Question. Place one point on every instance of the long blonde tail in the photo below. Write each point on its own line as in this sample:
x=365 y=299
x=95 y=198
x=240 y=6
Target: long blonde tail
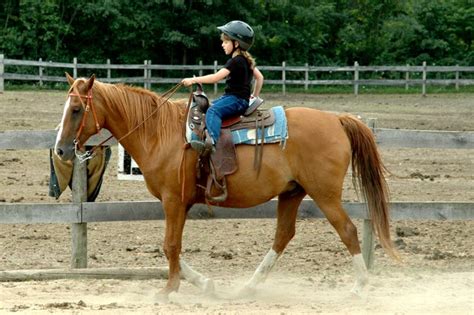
x=368 y=174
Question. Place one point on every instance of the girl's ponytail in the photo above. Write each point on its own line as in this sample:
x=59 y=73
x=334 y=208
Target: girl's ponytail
x=249 y=57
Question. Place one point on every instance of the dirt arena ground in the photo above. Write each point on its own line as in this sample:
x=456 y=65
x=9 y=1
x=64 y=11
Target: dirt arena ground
x=315 y=273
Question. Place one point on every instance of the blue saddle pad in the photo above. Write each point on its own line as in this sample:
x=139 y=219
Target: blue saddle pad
x=276 y=133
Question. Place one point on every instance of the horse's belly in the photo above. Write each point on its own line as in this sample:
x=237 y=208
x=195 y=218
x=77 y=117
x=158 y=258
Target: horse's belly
x=248 y=188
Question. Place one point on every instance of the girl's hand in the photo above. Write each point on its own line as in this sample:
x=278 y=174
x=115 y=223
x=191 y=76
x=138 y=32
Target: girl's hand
x=188 y=81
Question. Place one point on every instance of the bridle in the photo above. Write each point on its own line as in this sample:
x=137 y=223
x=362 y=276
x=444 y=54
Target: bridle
x=89 y=107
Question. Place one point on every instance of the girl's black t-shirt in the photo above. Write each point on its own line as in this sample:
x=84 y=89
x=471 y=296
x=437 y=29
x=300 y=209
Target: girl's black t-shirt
x=240 y=76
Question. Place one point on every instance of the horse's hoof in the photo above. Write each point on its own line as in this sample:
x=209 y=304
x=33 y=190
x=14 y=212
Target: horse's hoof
x=356 y=294
x=357 y=290
x=359 y=287
x=247 y=292
x=209 y=288
x=161 y=298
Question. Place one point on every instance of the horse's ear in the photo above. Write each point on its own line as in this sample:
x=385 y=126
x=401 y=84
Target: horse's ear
x=90 y=82
x=70 y=79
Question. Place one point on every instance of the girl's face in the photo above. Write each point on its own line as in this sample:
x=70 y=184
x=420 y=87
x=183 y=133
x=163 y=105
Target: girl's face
x=227 y=45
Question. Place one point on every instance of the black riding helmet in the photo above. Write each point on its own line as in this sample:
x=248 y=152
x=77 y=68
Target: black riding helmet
x=239 y=31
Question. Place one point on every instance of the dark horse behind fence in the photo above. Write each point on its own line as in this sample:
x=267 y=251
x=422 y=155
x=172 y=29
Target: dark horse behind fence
x=314 y=162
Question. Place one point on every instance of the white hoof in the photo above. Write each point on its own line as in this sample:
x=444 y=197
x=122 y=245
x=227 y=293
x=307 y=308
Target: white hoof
x=209 y=288
x=161 y=298
x=358 y=287
x=361 y=275
x=247 y=292
x=356 y=293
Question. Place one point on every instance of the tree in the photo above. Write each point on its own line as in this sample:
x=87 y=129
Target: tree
x=320 y=32
x=32 y=29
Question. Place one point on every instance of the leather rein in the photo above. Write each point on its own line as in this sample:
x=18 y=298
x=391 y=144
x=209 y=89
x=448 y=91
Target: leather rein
x=89 y=107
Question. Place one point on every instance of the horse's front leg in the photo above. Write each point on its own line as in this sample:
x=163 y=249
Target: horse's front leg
x=199 y=280
x=175 y=213
x=175 y=216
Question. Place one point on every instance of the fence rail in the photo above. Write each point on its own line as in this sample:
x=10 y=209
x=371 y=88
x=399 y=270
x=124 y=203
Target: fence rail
x=148 y=78
x=85 y=212
x=44 y=139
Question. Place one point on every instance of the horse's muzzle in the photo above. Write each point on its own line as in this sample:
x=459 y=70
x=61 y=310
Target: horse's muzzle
x=65 y=153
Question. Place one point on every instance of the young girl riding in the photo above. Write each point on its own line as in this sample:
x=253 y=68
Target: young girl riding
x=237 y=37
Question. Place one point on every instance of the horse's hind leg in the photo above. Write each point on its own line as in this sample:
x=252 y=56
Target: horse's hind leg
x=332 y=209
x=288 y=203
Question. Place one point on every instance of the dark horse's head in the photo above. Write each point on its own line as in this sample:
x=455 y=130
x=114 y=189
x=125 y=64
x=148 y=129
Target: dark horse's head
x=80 y=119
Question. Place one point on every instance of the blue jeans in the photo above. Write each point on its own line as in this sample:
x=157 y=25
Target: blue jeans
x=222 y=108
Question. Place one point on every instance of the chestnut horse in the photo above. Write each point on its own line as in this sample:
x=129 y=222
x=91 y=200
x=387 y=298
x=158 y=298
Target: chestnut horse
x=314 y=162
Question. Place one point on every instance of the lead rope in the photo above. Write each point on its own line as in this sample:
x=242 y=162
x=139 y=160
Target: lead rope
x=182 y=168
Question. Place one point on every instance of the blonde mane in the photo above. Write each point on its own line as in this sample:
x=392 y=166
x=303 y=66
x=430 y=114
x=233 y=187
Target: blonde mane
x=136 y=105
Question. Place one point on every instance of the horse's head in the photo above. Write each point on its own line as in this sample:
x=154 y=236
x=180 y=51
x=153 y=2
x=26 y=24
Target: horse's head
x=80 y=119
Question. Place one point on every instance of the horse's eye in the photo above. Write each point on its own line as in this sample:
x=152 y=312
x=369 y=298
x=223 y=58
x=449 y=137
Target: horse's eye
x=76 y=110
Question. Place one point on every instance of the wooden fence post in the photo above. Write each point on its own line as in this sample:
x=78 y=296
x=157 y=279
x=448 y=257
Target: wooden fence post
x=368 y=244
x=283 y=77
x=407 y=77
x=2 y=71
x=200 y=68
x=215 y=70
x=74 y=70
x=109 y=72
x=40 y=73
x=457 y=78
x=356 y=78
x=306 y=76
x=367 y=230
x=145 y=74
x=149 y=74
x=79 y=230
x=423 y=86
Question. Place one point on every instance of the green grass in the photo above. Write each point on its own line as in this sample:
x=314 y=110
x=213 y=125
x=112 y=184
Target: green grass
x=367 y=89
x=268 y=88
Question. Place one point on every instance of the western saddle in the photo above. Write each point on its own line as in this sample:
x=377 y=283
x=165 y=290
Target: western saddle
x=213 y=166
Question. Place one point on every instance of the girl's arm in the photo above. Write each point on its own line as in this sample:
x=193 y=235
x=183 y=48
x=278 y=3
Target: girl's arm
x=207 y=79
x=258 y=82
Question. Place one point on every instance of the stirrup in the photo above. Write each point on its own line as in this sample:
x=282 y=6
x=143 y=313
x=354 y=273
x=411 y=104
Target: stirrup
x=204 y=148
x=221 y=187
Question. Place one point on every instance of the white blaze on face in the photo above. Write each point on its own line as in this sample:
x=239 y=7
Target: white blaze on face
x=66 y=108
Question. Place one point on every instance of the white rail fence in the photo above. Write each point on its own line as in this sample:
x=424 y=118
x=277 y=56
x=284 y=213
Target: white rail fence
x=411 y=75
x=79 y=212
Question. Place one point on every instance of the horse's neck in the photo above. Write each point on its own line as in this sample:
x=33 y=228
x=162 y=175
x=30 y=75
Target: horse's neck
x=147 y=148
